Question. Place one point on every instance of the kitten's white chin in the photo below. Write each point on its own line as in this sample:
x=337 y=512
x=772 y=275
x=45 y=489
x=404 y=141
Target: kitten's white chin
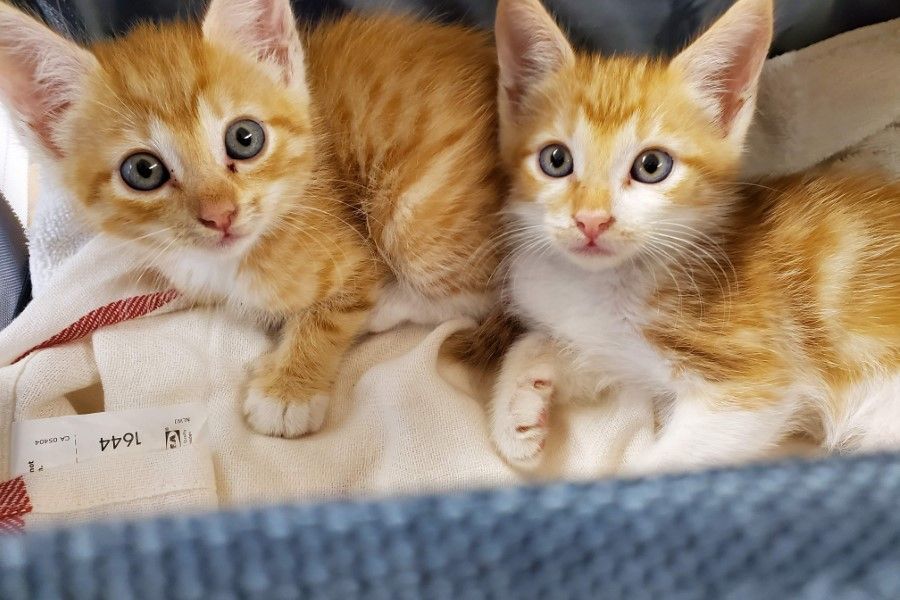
x=595 y=258
x=236 y=244
x=591 y=263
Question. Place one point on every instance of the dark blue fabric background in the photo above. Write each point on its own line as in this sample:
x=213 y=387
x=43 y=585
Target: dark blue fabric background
x=14 y=288
x=609 y=25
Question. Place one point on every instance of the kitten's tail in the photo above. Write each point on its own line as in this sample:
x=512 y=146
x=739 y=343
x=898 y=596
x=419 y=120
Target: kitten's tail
x=485 y=345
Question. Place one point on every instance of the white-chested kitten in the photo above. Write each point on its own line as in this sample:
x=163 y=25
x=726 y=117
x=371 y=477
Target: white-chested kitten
x=645 y=268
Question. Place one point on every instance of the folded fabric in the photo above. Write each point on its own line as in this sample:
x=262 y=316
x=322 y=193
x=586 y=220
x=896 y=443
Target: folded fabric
x=402 y=418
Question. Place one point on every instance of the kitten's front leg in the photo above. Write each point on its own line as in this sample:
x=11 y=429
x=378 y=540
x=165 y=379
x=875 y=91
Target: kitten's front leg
x=705 y=431
x=289 y=391
x=521 y=402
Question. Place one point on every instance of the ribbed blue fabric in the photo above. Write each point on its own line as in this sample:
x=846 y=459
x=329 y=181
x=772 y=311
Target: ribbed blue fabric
x=820 y=530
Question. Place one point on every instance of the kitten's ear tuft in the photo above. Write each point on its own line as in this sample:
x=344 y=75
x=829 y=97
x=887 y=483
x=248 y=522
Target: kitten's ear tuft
x=530 y=46
x=266 y=29
x=41 y=74
x=723 y=65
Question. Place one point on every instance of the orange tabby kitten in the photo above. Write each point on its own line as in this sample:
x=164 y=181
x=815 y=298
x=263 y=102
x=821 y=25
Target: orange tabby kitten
x=646 y=268
x=299 y=180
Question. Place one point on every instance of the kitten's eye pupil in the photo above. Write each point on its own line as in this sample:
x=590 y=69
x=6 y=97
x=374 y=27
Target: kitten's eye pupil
x=244 y=139
x=652 y=166
x=144 y=168
x=557 y=157
x=243 y=136
x=555 y=160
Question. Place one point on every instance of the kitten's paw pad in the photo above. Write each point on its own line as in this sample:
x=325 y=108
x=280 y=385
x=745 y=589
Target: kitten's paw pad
x=536 y=427
x=541 y=384
x=275 y=417
x=521 y=424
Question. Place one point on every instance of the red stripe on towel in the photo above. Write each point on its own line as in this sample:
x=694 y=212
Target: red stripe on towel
x=14 y=503
x=114 y=312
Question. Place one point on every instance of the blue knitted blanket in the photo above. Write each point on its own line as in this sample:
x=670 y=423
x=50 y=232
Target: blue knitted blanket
x=816 y=530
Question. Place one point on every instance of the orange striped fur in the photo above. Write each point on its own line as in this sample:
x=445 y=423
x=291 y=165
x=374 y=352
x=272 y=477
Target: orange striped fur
x=744 y=311
x=371 y=203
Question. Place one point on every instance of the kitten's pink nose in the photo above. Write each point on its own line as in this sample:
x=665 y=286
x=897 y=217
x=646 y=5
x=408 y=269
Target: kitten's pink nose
x=217 y=216
x=592 y=224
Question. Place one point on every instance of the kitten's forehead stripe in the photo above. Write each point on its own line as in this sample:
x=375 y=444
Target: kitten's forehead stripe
x=616 y=89
x=139 y=69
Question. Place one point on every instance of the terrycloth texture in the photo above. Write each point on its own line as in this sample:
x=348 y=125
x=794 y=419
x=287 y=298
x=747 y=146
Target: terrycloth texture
x=837 y=100
x=401 y=420
x=816 y=531
x=55 y=234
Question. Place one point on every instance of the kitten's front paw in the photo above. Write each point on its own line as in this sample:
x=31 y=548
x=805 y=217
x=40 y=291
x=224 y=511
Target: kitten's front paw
x=290 y=419
x=520 y=417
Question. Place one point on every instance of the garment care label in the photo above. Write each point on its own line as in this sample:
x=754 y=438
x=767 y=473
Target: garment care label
x=41 y=443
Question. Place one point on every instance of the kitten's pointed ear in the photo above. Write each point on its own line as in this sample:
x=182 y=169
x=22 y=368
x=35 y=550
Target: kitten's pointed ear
x=530 y=46
x=265 y=29
x=41 y=74
x=723 y=65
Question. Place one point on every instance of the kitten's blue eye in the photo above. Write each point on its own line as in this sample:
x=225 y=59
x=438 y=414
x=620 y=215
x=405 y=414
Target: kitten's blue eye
x=244 y=139
x=652 y=166
x=556 y=160
x=143 y=171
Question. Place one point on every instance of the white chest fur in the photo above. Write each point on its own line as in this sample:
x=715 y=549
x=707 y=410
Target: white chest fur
x=400 y=304
x=594 y=314
x=203 y=275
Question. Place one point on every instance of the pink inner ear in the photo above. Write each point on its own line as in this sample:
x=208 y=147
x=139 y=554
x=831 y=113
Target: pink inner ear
x=52 y=113
x=264 y=28
x=270 y=33
x=739 y=77
x=522 y=66
x=40 y=74
x=723 y=65
x=530 y=46
x=280 y=55
x=30 y=100
x=512 y=49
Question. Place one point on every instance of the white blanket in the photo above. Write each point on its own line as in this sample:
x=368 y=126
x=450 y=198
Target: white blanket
x=403 y=419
